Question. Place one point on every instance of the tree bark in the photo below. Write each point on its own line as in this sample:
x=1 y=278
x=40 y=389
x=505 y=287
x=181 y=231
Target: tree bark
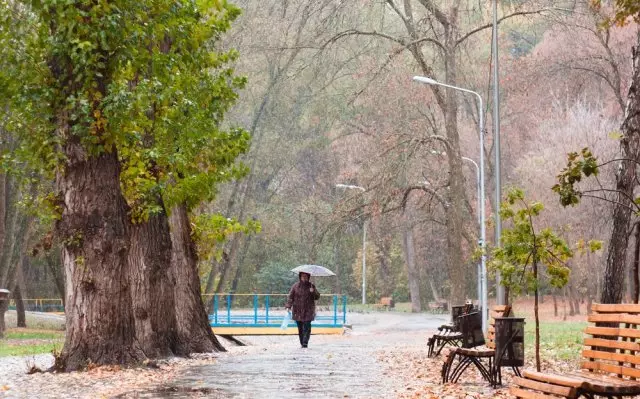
x=56 y=271
x=636 y=266
x=194 y=332
x=613 y=282
x=536 y=312
x=20 y=311
x=94 y=230
x=152 y=286
x=555 y=304
x=412 y=272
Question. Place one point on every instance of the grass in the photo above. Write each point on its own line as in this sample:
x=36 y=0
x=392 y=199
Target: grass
x=558 y=340
x=25 y=341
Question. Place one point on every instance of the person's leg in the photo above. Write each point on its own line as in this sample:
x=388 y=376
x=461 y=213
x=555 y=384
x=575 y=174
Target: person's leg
x=301 y=332
x=307 y=333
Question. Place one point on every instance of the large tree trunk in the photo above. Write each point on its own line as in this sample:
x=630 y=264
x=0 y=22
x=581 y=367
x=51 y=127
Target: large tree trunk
x=194 y=332
x=56 y=271
x=613 y=282
x=94 y=229
x=412 y=272
x=636 y=267
x=20 y=311
x=455 y=210
x=152 y=286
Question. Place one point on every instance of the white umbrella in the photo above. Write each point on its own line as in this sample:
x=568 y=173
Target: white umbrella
x=314 y=270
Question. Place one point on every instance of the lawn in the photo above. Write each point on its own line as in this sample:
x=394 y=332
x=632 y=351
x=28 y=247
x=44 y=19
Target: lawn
x=25 y=341
x=558 y=340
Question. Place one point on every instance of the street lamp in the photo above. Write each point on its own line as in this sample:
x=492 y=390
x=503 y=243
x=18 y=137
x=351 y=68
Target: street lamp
x=483 y=259
x=479 y=221
x=364 y=245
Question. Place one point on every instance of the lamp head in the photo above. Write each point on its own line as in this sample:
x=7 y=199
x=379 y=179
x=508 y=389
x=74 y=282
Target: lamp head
x=424 y=79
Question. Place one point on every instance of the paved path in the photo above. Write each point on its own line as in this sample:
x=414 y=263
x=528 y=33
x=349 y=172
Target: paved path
x=332 y=366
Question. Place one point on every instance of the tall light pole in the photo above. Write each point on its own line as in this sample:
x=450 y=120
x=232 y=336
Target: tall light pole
x=364 y=245
x=484 y=302
x=479 y=222
x=500 y=294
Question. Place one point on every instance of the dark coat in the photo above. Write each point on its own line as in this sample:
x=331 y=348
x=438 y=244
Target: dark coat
x=302 y=301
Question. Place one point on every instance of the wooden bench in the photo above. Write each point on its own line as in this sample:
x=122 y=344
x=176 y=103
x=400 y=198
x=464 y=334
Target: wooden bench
x=610 y=365
x=448 y=334
x=387 y=302
x=468 y=354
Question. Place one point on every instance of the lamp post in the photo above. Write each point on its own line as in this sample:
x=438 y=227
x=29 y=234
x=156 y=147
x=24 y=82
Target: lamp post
x=501 y=298
x=479 y=222
x=483 y=259
x=364 y=245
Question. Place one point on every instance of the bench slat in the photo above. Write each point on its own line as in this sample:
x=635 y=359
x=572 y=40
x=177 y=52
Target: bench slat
x=523 y=394
x=614 y=318
x=616 y=357
x=568 y=392
x=553 y=379
x=611 y=368
x=616 y=307
x=607 y=343
x=613 y=332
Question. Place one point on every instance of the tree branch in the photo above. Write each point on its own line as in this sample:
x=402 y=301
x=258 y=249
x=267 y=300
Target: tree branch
x=433 y=193
x=483 y=27
x=440 y=16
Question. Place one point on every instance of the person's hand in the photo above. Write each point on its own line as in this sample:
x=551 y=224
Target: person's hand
x=312 y=289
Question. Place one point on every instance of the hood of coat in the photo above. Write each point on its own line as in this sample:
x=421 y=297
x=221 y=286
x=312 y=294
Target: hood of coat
x=308 y=279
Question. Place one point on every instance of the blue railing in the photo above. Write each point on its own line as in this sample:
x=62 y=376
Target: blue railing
x=267 y=310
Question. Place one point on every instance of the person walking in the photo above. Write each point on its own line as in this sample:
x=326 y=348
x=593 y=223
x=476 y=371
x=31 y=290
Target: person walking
x=302 y=297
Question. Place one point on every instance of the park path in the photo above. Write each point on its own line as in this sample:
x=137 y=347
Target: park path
x=343 y=366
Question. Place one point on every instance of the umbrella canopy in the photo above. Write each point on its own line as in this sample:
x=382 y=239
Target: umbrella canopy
x=313 y=270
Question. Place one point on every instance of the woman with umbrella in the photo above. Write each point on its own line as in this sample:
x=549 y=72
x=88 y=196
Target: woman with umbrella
x=302 y=297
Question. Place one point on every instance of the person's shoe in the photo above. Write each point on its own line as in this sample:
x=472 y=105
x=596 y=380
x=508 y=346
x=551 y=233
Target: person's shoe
x=304 y=346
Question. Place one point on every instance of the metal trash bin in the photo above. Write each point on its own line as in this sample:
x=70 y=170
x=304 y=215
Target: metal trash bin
x=509 y=341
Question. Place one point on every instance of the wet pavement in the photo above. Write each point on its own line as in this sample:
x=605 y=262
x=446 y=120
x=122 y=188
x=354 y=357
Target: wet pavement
x=342 y=366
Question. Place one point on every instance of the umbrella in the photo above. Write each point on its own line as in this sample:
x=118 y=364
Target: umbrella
x=314 y=270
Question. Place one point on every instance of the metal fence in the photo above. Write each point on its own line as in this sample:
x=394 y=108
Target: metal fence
x=40 y=305
x=267 y=310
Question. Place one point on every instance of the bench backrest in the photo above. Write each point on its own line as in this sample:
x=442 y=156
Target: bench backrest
x=496 y=311
x=613 y=344
x=387 y=301
x=472 y=327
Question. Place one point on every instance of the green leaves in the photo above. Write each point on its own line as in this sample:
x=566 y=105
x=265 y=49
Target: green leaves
x=578 y=165
x=211 y=230
x=143 y=78
x=523 y=247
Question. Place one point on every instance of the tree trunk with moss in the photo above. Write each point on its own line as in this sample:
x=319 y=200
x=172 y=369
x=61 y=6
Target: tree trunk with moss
x=194 y=332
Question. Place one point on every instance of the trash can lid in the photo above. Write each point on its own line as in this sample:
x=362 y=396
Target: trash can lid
x=4 y=291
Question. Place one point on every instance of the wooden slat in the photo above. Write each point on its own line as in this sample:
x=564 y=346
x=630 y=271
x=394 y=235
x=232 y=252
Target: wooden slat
x=522 y=394
x=615 y=357
x=613 y=332
x=608 y=343
x=568 y=392
x=611 y=368
x=555 y=379
x=616 y=307
x=614 y=318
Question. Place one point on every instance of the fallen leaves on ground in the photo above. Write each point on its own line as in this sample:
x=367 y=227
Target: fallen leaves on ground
x=421 y=375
